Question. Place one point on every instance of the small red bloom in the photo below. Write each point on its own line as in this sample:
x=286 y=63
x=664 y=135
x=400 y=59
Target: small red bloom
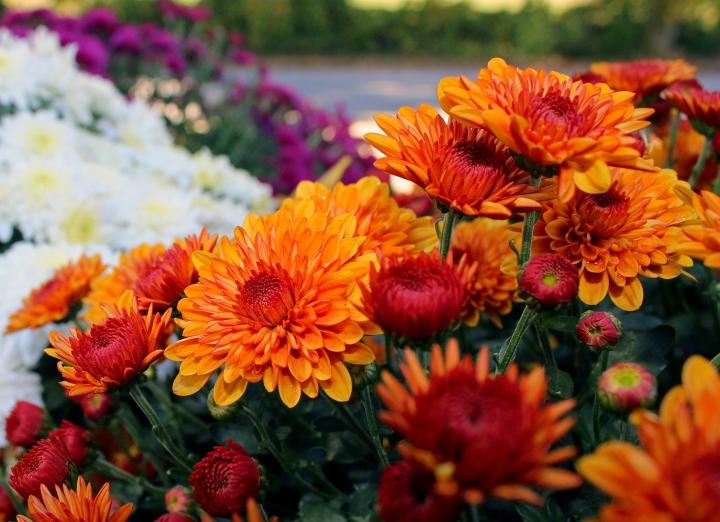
x=177 y=499
x=598 y=329
x=24 y=425
x=626 y=386
x=415 y=296
x=550 y=279
x=46 y=463
x=175 y=517
x=406 y=494
x=75 y=438
x=224 y=479
x=96 y=405
x=7 y=509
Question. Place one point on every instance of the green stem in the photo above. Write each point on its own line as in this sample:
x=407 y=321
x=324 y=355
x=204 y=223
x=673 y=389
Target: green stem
x=528 y=228
x=674 y=124
x=548 y=356
x=715 y=361
x=348 y=418
x=286 y=462
x=388 y=351
x=158 y=427
x=107 y=469
x=509 y=350
x=367 y=401
x=602 y=362
x=700 y=163
x=446 y=233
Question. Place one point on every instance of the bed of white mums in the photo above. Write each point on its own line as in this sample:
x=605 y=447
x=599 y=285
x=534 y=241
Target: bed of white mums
x=84 y=169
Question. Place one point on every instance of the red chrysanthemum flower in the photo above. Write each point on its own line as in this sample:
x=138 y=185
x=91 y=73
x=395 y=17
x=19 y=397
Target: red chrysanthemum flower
x=113 y=352
x=406 y=494
x=45 y=464
x=415 y=296
x=7 y=508
x=700 y=106
x=54 y=299
x=24 y=425
x=96 y=405
x=480 y=435
x=162 y=285
x=643 y=77
x=598 y=329
x=550 y=279
x=466 y=169
x=224 y=479
x=75 y=438
x=626 y=386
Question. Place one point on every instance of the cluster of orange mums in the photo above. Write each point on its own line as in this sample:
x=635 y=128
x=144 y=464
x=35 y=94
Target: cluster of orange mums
x=292 y=298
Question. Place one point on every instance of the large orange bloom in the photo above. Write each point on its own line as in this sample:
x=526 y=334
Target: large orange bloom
x=463 y=168
x=78 y=505
x=674 y=476
x=643 y=77
x=552 y=120
x=54 y=299
x=387 y=226
x=490 y=268
x=482 y=435
x=699 y=105
x=113 y=352
x=109 y=288
x=273 y=304
x=631 y=230
x=702 y=241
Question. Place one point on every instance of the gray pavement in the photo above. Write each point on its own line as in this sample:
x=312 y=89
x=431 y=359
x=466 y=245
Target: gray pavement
x=364 y=91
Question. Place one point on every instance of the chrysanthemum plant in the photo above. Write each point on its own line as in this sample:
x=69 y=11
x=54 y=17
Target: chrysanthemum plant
x=343 y=359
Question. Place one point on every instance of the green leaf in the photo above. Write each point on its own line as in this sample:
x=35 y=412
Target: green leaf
x=314 y=512
x=561 y=323
x=561 y=384
x=648 y=348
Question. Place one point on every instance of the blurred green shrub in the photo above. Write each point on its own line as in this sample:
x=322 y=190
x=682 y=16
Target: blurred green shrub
x=600 y=28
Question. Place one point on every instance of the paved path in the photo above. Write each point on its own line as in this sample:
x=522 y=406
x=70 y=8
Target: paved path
x=364 y=91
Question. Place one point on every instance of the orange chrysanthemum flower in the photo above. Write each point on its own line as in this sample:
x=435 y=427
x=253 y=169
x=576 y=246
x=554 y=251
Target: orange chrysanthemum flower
x=54 y=299
x=700 y=106
x=482 y=435
x=387 y=226
x=490 y=270
x=702 y=240
x=643 y=77
x=109 y=288
x=463 y=168
x=157 y=276
x=113 y=352
x=273 y=304
x=78 y=505
x=631 y=230
x=673 y=477
x=552 y=120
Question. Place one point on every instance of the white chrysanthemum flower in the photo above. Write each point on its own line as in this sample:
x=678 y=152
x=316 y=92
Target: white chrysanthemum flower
x=35 y=135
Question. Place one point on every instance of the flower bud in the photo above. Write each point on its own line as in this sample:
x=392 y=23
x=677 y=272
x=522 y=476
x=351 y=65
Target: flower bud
x=599 y=329
x=626 y=386
x=25 y=424
x=224 y=479
x=45 y=464
x=550 y=280
x=96 y=405
x=75 y=438
x=220 y=412
x=177 y=499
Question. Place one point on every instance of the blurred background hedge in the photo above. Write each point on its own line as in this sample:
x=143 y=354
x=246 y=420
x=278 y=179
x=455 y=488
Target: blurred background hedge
x=462 y=29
